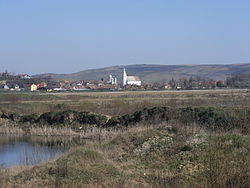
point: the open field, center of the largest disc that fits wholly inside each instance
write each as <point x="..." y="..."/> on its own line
<point x="119" y="103"/>
<point x="190" y="139"/>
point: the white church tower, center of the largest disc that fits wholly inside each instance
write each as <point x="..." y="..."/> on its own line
<point x="124" y="77"/>
<point x="131" y="80"/>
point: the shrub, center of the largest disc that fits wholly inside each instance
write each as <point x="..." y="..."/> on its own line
<point x="32" y="118"/>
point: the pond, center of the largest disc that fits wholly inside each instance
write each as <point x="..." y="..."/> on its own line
<point x="30" y="150"/>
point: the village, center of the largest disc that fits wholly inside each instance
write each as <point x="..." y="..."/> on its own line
<point x="25" y="82"/>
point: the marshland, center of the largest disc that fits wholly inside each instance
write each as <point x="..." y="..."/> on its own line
<point x="129" y="139"/>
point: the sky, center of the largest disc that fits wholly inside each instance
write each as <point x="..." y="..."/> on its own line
<point x="65" y="36"/>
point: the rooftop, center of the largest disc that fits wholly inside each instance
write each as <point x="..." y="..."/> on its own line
<point x="133" y="78"/>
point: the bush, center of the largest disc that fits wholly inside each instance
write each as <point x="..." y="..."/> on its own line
<point x="32" y="118"/>
<point x="186" y="148"/>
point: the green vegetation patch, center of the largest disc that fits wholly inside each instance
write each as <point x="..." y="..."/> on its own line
<point x="147" y="115"/>
<point x="213" y="118"/>
<point x="63" y="118"/>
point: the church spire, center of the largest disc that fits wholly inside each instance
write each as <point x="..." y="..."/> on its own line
<point x="124" y="77"/>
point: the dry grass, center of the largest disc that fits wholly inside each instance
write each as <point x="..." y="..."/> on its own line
<point x="119" y="103"/>
<point x="162" y="155"/>
<point x="170" y="154"/>
<point x="8" y="127"/>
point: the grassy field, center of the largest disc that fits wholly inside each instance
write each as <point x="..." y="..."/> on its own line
<point x="175" y="153"/>
<point x="119" y="103"/>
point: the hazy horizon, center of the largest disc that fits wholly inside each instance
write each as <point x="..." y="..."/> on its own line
<point x="69" y="36"/>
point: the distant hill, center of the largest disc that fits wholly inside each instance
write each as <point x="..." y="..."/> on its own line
<point x="154" y="73"/>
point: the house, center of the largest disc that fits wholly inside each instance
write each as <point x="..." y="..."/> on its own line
<point x="108" y="87"/>
<point x="91" y="86"/>
<point x="42" y="85"/>
<point x="59" y="89"/>
<point x="80" y="88"/>
<point x="17" y="88"/>
<point x="24" y="76"/>
<point x="167" y="86"/>
<point x="33" y="87"/>
<point x="6" y="87"/>
<point x="178" y="87"/>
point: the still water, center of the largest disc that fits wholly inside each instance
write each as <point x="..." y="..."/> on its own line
<point x="29" y="150"/>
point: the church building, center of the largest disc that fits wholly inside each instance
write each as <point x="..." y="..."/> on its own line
<point x="131" y="80"/>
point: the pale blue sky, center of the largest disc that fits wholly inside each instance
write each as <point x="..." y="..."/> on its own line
<point x="63" y="36"/>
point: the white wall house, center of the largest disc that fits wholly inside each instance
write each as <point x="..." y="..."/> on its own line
<point x="33" y="87"/>
<point x="6" y="87"/>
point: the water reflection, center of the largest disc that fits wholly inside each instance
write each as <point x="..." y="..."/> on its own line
<point x="29" y="150"/>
